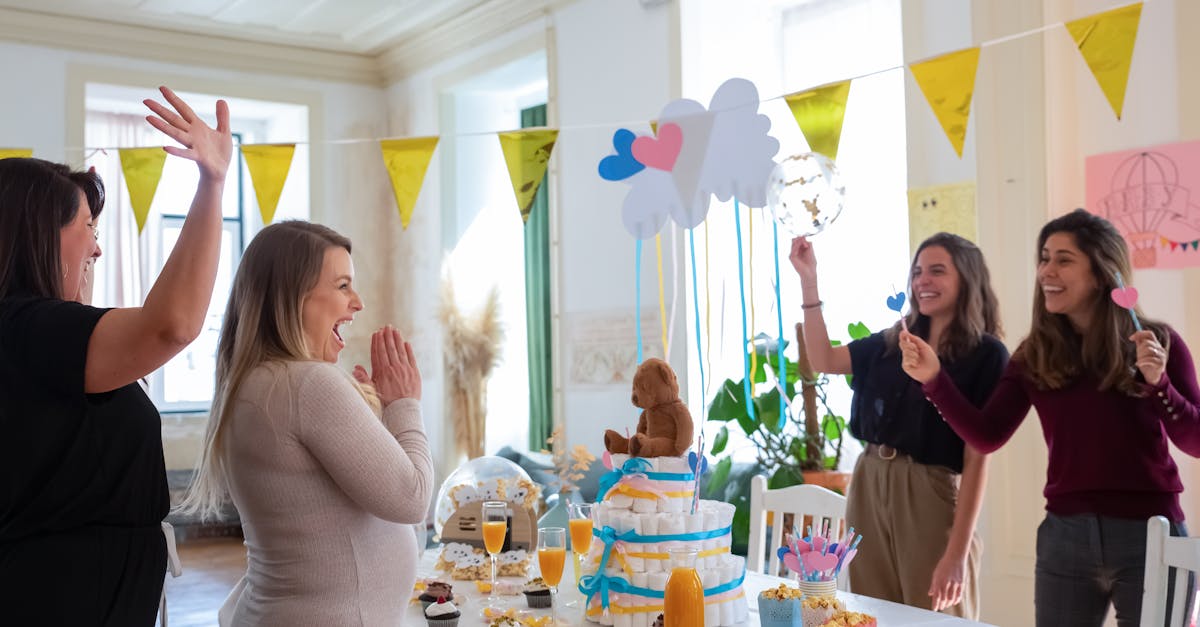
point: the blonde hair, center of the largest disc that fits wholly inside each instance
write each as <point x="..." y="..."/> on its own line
<point x="263" y="323"/>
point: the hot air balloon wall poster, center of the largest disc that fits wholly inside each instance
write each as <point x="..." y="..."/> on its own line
<point x="1152" y="195"/>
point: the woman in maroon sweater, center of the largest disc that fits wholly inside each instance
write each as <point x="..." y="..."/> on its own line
<point x="1109" y="399"/>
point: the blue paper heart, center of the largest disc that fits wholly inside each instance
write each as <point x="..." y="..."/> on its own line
<point x="692" y="464"/>
<point x="783" y="550"/>
<point x="622" y="165"/>
<point x="896" y="303"/>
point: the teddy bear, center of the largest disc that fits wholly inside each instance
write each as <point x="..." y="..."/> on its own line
<point x="665" y="427"/>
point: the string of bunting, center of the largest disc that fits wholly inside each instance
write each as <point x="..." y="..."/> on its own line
<point x="1105" y="41"/>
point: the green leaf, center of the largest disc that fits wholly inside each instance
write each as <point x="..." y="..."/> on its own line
<point x="784" y="477"/>
<point x="798" y="450"/>
<point x="768" y="410"/>
<point x="741" y="526"/>
<point x="720" y="441"/>
<point x="835" y="342"/>
<point x="719" y="476"/>
<point x="850" y="380"/>
<point x="833" y="426"/>
<point x="858" y="330"/>
<point x="727" y="404"/>
<point x="830" y="462"/>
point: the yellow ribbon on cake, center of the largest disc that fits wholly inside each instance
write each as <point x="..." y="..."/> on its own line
<point x="637" y="609"/>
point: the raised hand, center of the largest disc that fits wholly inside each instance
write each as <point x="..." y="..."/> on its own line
<point x="919" y="359"/>
<point x="803" y="259"/>
<point x="210" y="148"/>
<point x="1151" y="356"/>
<point x="393" y="367"/>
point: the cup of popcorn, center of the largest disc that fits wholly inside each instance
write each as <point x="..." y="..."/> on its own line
<point x="780" y="607"/>
<point x="817" y="610"/>
<point x="851" y="619"/>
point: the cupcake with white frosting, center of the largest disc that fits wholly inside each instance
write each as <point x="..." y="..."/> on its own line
<point x="442" y="614"/>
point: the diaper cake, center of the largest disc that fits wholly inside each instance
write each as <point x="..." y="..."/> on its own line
<point x="647" y="504"/>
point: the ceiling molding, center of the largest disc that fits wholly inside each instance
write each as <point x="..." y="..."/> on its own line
<point x="487" y="21"/>
<point x="182" y="48"/>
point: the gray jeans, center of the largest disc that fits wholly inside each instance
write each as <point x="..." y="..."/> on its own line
<point x="1085" y="562"/>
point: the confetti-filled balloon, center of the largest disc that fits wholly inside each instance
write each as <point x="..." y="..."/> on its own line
<point x="805" y="193"/>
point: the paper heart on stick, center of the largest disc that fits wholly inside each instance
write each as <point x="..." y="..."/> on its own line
<point x="792" y="561"/>
<point x="896" y="303"/>
<point x="607" y="459"/>
<point x="815" y="561"/>
<point x="845" y="560"/>
<point x="1126" y="297"/>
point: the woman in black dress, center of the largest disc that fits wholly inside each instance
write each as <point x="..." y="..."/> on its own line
<point x="82" y="481"/>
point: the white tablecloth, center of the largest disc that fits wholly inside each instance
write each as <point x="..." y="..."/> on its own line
<point x="471" y="602"/>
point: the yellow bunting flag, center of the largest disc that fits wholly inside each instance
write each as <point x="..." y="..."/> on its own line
<point x="1106" y="42"/>
<point x="6" y="153"/>
<point x="269" y="166"/>
<point x="406" y="161"/>
<point x="948" y="83"/>
<point x="527" y="154"/>
<point x="142" y="168"/>
<point x="654" y="126"/>
<point x="820" y="113"/>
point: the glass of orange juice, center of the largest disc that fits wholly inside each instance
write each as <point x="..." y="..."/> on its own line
<point x="495" y="527"/>
<point x="552" y="555"/>
<point x="580" y="523"/>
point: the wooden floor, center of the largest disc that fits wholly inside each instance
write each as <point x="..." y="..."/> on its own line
<point x="211" y="567"/>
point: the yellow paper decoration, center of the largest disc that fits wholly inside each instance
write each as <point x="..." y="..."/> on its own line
<point x="820" y="113"/>
<point x="269" y="166"/>
<point x="406" y="161"/>
<point x="1106" y="42"/>
<point x="6" y="153"/>
<point x="527" y="153"/>
<point x="142" y="168"/>
<point x="948" y="83"/>
<point x="654" y="126"/>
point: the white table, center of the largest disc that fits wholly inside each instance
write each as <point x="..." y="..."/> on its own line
<point x="887" y="613"/>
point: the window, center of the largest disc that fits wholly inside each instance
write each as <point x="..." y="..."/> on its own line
<point x="131" y="261"/>
<point x="865" y="252"/>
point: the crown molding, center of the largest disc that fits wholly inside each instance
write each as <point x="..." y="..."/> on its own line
<point x="139" y="42"/>
<point x="486" y="21"/>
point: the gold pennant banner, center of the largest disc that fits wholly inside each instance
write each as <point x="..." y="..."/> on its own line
<point x="820" y="112"/>
<point x="406" y="161"/>
<point x="527" y="153"/>
<point x="269" y="166"/>
<point x="142" y="168"/>
<point x="948" y="83"/>
<point x="1106" y="42"/>
<point x="8" y="153"/>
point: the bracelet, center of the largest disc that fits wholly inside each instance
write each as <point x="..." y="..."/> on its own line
<point x="817" y="305"/>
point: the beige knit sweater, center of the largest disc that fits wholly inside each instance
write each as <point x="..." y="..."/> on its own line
<point x="328" y="494"/>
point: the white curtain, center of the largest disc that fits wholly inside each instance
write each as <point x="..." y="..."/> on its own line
<point x="126" y="270"/>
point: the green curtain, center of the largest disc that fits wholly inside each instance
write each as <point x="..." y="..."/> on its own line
<point x="537" y="304"/>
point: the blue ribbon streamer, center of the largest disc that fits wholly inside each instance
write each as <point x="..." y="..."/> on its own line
<point x="779" y="370"/>
<point x="638" y="466"/>
<point x="637" y="286"/>
<point x="746" y="383"/>
<point x="696" y="308"/>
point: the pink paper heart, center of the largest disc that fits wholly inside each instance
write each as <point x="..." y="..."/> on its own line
<point x="1125" y="296"/>
<point x="803" y="547"/>
<point x="848" y="556"/>
<point x="818" y="543"/>
<point x="607" y="458"/>
<point x="792" y="562"/>
<point x="659" y="152"/>
<point x="820" y="563"/>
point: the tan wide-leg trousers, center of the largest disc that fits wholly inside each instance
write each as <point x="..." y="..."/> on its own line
<point x="904" y="510"/>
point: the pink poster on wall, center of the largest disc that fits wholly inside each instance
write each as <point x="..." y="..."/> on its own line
<point x="1152" y="195"/>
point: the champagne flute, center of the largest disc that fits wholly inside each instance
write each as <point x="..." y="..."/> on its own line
<point x="495" y="527"/>
<point x="552" y="554"/>
<point x="580" y="523"/>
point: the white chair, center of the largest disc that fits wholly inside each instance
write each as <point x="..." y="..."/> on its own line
<point x="826" y="507"/>
<point x="1163" y="552"/>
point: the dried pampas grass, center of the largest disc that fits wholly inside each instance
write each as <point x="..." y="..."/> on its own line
<point x="472" y="347"/>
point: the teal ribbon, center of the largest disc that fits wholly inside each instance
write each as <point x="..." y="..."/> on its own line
<point x="638" y="466"/>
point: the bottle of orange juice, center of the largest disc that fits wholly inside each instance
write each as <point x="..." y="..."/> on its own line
<point x="683" y="601"/>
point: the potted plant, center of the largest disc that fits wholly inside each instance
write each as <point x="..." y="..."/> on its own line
<point x="804" y="447"/>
